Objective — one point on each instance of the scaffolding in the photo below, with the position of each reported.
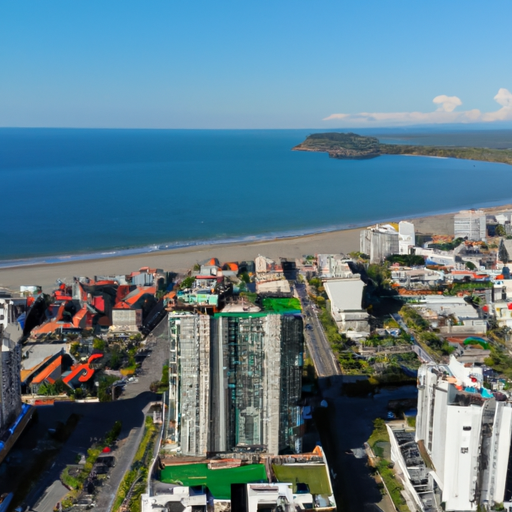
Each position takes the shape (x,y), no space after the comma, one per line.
(189,380)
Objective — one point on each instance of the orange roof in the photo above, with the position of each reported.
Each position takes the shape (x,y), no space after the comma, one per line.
(122,305)
(60,312)
(84,371)
(47,371)
(24,374)
(50,326)
(137,294)
(79,316)
(122,291)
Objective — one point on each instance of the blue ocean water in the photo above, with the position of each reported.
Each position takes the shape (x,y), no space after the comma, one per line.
(72,191)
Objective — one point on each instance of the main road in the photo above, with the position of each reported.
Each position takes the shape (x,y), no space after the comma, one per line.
(317,343)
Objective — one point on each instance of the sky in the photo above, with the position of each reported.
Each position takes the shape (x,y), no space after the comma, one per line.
(265,64)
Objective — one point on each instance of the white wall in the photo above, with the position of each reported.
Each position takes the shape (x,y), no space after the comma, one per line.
(461,457)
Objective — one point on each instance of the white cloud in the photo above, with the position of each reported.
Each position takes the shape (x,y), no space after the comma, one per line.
(448,103)
(504,98)
(445,113)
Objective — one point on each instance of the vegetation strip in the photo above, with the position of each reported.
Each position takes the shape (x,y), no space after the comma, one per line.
(134,481)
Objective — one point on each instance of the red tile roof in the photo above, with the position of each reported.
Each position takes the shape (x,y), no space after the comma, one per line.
(79,316)
(84,371)
(47,371)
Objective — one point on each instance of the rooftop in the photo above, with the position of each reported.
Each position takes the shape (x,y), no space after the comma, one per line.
(218,481)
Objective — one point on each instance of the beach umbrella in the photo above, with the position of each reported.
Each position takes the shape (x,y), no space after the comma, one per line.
(106,450)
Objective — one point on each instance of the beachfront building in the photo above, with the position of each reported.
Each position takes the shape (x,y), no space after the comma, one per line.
(10,385)
(466,433)
(406,237)
(235,379)
(470,224)
(379,242)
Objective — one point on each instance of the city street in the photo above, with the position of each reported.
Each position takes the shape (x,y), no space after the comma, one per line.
(316,341)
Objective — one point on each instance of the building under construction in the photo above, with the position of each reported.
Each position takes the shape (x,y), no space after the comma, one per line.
(235,379)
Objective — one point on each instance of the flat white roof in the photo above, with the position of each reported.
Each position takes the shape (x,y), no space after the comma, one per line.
(345,294)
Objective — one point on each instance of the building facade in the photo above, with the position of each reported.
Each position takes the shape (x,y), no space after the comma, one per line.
(236,381)
(406,237)
(467,434)
(10,384)
(470,224)
(379,242)
(189,380)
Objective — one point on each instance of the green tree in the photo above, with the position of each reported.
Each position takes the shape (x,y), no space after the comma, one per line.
(187,282)
(245,277)
(74,349)
(165,376)
(471,266)
(98,344)
(500,230)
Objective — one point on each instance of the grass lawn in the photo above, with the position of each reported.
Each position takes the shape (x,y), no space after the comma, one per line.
(314,475)
(218,481)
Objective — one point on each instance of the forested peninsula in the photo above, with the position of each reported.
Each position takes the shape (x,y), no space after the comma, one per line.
(353,146)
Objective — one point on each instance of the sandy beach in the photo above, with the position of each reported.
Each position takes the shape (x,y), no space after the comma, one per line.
(181,260)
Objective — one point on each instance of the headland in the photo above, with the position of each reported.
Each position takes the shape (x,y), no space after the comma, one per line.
(353,146)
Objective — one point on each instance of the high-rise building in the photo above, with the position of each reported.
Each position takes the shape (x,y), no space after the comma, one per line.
(470,224)
(10,385)
(378,242)
(406,237)
(466,431)
(236,381)
(189,380)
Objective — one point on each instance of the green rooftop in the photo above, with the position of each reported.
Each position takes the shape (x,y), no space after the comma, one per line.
(314,475)
(282,305)
(218,481)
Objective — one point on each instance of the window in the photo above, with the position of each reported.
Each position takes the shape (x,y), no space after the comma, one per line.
(466,428)
(464,450)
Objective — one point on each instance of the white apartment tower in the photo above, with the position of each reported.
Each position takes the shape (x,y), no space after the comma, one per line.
(378,242)
(406,237)
(467,434)
(470,224)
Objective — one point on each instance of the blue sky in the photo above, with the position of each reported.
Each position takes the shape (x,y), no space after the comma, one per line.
(279,64)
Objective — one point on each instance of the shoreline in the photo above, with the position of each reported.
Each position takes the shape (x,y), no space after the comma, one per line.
(184,258)
(171,247)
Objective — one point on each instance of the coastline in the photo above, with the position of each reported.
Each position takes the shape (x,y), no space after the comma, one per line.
(182,259)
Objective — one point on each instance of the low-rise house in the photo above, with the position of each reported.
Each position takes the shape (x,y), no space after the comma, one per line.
(264,264)
(416,278)
(81,374)
(450,314)
(125,318)
(36,357)
(333,266)
(48,375)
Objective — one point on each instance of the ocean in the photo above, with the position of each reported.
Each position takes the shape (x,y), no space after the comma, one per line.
(77,193)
